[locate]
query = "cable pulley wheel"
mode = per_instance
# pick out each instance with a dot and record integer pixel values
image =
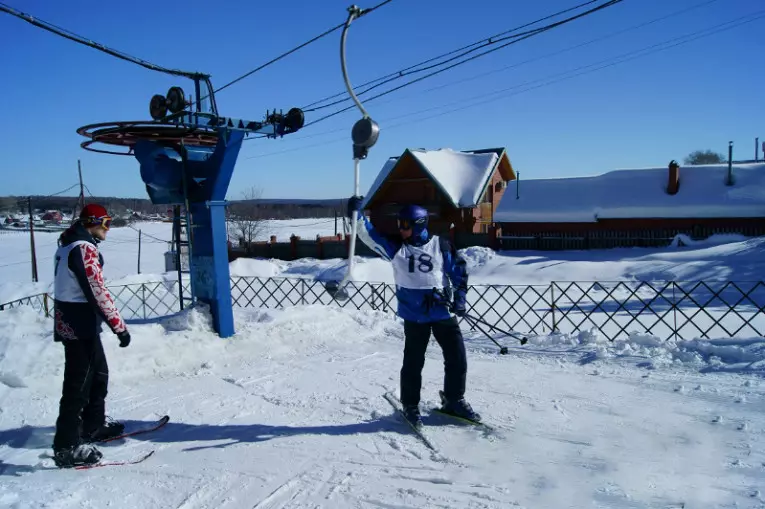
(158, 107)
(176, 101)
(295, 119)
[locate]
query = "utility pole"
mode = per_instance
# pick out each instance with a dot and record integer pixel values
(729, 180)
(32, 239)
(81, 199)
(139, 251)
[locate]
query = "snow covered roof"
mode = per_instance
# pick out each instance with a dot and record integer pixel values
(638, 193)
(461, 175)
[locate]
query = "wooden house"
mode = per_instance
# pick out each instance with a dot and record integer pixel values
(634, 207)
(459, 188)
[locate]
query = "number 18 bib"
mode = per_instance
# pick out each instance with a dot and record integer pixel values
(419, 267)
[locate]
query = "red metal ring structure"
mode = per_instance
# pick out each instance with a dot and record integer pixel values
(127, 133)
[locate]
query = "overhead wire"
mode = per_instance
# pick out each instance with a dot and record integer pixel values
(515, 39)
(443, 55)
(556, 78)
(439, 71)
(296, 48)
(531, 60)
(67, 34)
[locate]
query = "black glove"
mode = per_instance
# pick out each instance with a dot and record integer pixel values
(458, 306)
(124, 338)
(354, 203)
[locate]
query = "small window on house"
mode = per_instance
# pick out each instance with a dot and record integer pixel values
(498, 186)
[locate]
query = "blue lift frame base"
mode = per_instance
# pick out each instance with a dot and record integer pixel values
(207, 174)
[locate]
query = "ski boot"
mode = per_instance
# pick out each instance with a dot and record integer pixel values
(412, 414)
(109, 429)
(82, 454)
(459, 408)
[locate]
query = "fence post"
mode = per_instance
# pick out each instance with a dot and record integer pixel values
(552, 305)
(143, 299)
(674, 311)
(302, 291)
(45, 305)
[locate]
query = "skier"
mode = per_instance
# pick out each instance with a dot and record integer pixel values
(425, 268)
(81, 304)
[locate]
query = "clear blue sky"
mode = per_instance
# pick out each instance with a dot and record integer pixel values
(644, 112)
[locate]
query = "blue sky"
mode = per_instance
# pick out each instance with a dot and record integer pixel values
(643, 112)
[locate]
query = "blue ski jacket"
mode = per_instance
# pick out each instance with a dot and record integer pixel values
(421, 305)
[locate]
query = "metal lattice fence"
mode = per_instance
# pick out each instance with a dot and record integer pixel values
(615, 310)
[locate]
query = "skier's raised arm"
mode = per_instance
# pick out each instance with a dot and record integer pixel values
(367, 233)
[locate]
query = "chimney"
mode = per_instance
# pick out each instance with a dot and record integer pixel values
(673, 186)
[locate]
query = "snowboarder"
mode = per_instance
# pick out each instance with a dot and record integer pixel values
(427, 271)
(81, 304)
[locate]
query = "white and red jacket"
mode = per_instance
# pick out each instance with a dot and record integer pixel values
(81, 300)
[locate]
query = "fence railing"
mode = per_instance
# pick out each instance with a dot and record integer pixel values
(614, 310)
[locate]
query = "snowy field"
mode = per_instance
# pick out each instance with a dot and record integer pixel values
(289, 412)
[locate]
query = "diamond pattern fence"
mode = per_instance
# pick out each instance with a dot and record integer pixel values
(615, 310)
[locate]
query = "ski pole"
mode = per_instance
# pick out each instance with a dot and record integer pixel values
(520, 337)
(502, 349)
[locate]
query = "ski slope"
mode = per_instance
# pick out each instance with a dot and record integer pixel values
(289, 412)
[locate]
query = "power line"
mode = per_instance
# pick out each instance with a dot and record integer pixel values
(411, 82)
(556, 78)
(571, 48)
(67, 34)
(296, 48)
(443, 55)
(528, 61)
(489, 42)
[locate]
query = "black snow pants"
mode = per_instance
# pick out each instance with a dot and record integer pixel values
(449, 337)
(86, 377)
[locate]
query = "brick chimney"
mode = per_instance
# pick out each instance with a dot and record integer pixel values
(673, 186)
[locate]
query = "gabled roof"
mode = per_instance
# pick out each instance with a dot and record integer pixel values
(639, 193)
(461, 175)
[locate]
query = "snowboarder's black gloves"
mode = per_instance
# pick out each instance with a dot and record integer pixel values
(124, 338)
(354, 203)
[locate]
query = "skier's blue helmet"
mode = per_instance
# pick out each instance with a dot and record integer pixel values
(414, 217)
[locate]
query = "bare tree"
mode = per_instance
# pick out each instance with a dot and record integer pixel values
(704, 157)
(247, 219)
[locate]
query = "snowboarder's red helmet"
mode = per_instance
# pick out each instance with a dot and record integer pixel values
(95, 215)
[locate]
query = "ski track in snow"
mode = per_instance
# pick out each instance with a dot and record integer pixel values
(289, 414)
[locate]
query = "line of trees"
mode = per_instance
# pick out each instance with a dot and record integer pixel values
(250, 202)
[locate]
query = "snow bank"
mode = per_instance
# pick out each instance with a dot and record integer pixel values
(681, 240)
(727, 354)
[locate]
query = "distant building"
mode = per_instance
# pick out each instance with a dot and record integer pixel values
(637, 207)
(460, 188)
(52, 216)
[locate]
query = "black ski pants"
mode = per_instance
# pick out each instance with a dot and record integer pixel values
(449, 337)
(86, 377)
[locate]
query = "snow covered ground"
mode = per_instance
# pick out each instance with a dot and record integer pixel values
(289, 412)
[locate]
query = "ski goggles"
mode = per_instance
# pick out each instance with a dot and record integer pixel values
(104, 221)
(408, 224)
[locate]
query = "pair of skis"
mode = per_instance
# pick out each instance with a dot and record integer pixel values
(391, 398)
(145, 429)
